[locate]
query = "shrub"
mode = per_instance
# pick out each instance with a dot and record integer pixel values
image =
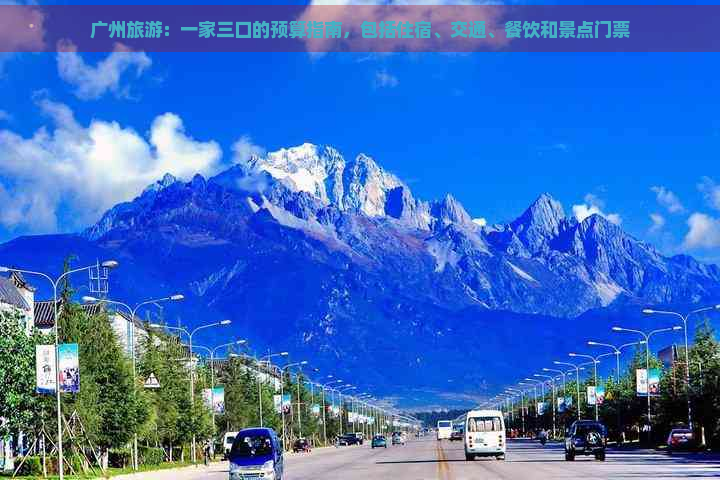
(119, 457)
(151, 455)
(31, 467)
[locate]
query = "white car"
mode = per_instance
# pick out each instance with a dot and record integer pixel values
(228, 442)
(484, 434)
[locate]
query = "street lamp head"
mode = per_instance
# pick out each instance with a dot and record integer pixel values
(177, 297)
(717, 307)
(89, 299)
(572, 354)
(546, 369)
(590, 342)
(536, 375)
(304, 362)
(225, 322)
(648, 311)
(283, 354)
(109, 264)
(155, 325)
(617, 329)
(677, 327)
(642, 342)
(6, 269)
(241, 342)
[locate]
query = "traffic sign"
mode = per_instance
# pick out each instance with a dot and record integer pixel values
(152, 382)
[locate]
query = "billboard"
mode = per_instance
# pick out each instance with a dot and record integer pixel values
(641, 382)
(591, 395)
(668, 356)
(561, 404)
(69, 365)
(600, 394)
(45, 373)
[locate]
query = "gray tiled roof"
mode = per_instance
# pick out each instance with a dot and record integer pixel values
(11, 295)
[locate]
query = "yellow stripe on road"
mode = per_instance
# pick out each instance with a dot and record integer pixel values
(443, 467)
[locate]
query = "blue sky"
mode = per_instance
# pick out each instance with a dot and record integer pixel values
(634, 136)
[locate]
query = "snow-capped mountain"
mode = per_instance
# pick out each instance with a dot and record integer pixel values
(305, 249)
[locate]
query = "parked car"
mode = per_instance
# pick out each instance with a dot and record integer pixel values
(398, 439)
(585, 437)
(228, 440)
(344, 440)
(256, 453)
(354, 438)
(301, 445)
(681, 439)
(379, 441)
(457, 433)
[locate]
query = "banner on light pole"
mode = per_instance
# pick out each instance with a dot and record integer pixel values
(69, 365)
(45, 373)
(641, 384)
(654, 382)
(600, 394)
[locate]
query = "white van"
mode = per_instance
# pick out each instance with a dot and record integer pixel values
(484, 434)
(444, 429)
(228, 440)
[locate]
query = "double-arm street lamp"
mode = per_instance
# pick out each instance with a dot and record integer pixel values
(577, 382)
(552, 382)
(131, 340)
(616, 351)
(190, 334)
(324, 386)
(684, 318)
(282, 394)
(211, 352)
(594, 361)
(267, 358)
(108, 264)
(646, 336)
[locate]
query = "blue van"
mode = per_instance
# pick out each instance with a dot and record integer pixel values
(256, 453)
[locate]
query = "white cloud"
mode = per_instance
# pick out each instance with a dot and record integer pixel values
(480, 222)
(704, 232)
(244, 148)
(93, 82)
(385, 80)
(711, 190)
(65, 176)
(668, 199)
(658, 222)
(593, 206)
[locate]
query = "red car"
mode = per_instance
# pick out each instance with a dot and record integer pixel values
(681, 439)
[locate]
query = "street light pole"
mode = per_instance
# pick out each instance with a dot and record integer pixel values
(324, 386)
(131, 341)
(108, 264)
(577, 382)
(190, 335)
(552, 382)
(282, 393)
(647, 336)
(595, 362)
(684, 319)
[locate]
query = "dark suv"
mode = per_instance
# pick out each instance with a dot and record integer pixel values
(585, 437)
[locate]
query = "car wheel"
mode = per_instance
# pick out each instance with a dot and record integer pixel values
(600, 456)
(469, 457)
(501, 457)
(569, 456)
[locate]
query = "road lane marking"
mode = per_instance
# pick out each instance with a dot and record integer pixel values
(443, 465)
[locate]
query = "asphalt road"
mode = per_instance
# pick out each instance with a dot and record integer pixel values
(427, 459)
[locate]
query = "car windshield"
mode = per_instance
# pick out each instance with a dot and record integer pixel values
(252, 446)
(444, 424)
(484, 424)
(681, 432)
(229, 440)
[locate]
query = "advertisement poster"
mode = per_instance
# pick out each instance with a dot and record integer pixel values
(45, 375)
(207, 398)
(315, 410)
(218, 399)
(600, 394)
(286, 404)
(69, 365)
(591, 395)
(561, 404)
(641, 382)
(568, 402)
(541, 408)
(654, 382)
